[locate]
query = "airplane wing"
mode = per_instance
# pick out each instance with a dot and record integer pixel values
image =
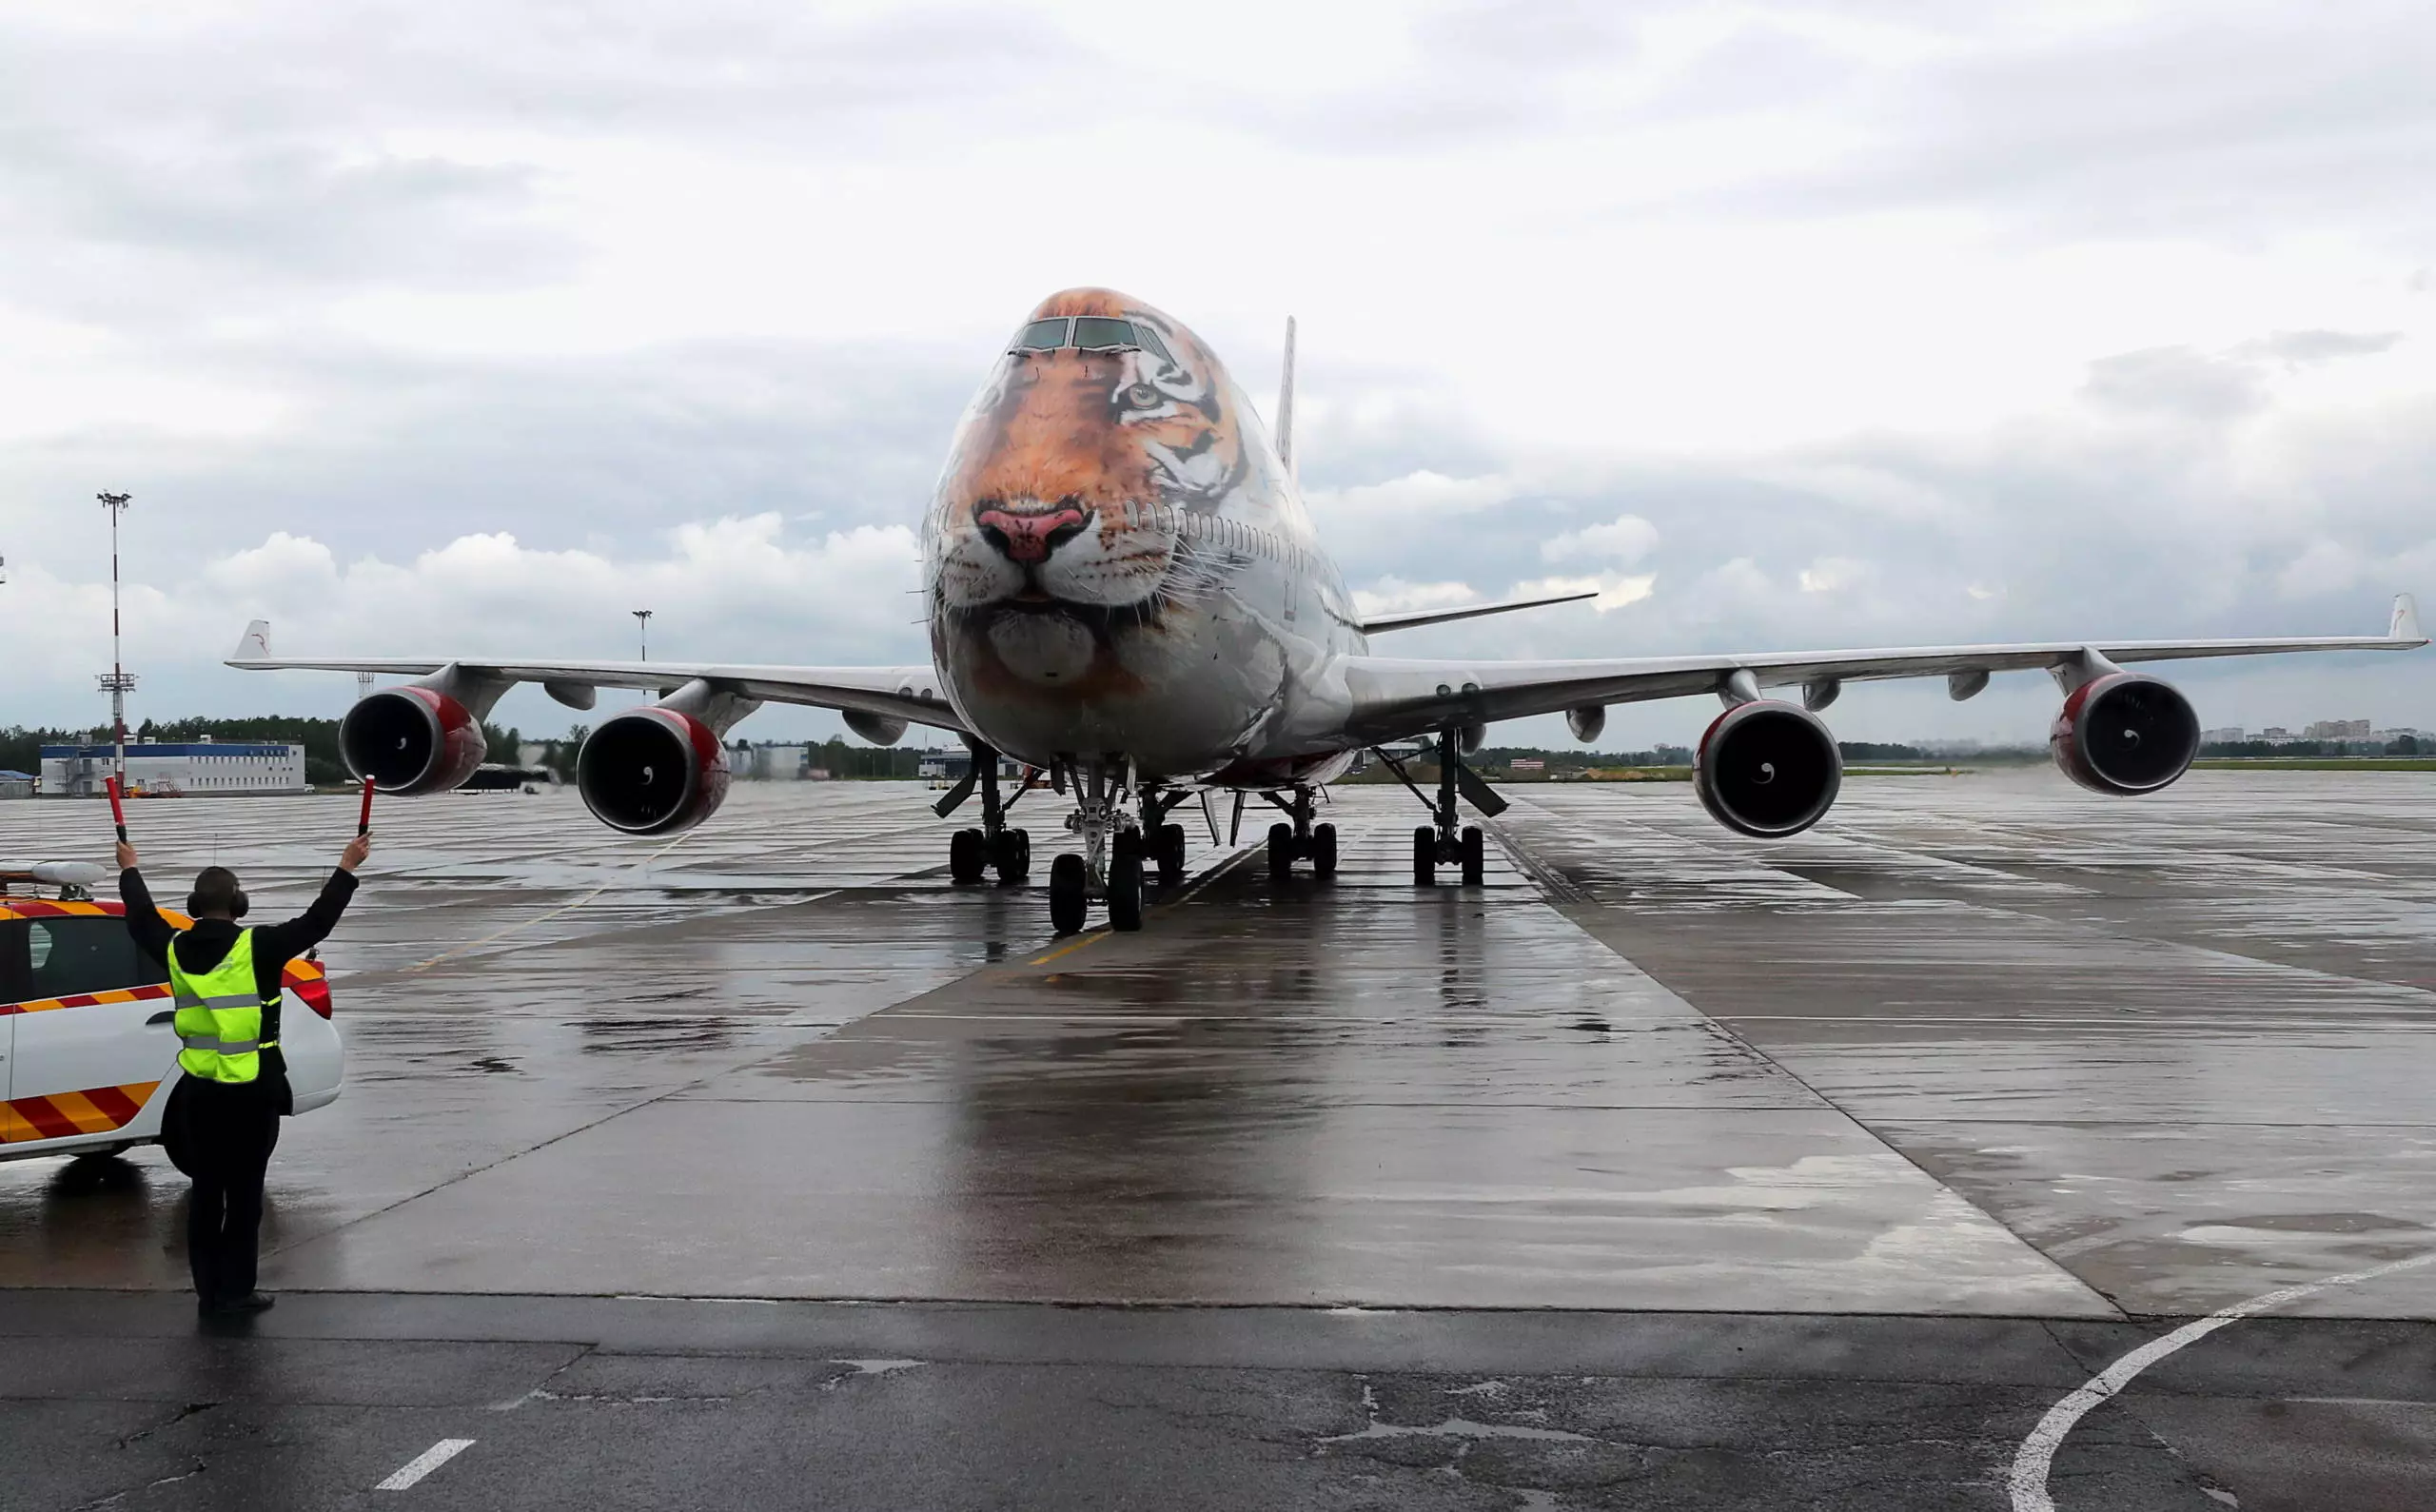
(1394, 698)
(904, 693)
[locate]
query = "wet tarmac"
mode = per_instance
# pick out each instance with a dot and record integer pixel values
(1989, 1059)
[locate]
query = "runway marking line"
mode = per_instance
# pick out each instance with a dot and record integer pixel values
(2036, 1456)
(548, 914)
(1094, 936)
(423, 1464)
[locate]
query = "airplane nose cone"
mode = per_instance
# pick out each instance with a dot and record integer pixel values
(1030, 534)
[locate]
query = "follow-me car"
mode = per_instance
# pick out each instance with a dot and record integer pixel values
(1126, 592)
(88, 1053)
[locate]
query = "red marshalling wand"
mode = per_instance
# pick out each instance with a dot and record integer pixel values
(363, 819)
(118, 814)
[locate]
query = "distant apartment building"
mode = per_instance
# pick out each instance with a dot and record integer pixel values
(2337, 730)
(2226, 736)
(199, 768)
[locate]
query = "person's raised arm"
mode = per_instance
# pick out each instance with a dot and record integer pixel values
(311, 927)
(144, 921)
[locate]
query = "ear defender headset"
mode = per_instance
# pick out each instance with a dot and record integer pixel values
(217, 887)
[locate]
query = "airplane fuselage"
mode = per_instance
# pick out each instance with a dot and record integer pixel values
(1119, 564)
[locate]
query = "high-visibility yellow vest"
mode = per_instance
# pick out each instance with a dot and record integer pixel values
(220, 1015)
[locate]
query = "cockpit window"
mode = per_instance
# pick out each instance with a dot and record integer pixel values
(1151, 343)
(1098, 333)
(1042, 336)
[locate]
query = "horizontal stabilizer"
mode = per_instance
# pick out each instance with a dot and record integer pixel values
(1439, 617)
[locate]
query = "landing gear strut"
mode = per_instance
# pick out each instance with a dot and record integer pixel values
(1300, 839)
(1441, 841)
(994, 845)
(1111, 865)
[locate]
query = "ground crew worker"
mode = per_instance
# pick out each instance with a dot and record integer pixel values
(224, 1113)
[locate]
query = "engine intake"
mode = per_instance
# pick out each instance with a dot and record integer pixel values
(411, 739)
(651, 770)
(2125, 733)
(1767, 769)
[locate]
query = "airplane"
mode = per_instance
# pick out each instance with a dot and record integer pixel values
(1126, 594)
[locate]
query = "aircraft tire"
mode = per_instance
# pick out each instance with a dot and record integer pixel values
(1012, 857)
(1424, 857)
(1281, 849)
(1125, 893)
(1323, 850)
(1171, 854)
(1068, 893)
(967, 856)
(1475, 855)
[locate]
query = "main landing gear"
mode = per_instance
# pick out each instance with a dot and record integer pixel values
(996, 846)
(1300, 839)
(1441, 842)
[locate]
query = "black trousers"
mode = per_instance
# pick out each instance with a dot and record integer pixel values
(227, 1133)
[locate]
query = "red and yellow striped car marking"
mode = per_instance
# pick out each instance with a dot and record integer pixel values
(36, 907)
(119, 994)
(94, 1110)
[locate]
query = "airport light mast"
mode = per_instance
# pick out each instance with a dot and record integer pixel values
(642, 630)
(117, 682)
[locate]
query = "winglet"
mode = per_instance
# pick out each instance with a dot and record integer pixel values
(254, 645)
(2406, 625)
(1285, 404)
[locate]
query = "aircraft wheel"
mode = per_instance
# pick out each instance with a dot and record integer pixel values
(1475, 855)
(1171, 854)
(1125, 891)
(1281, 849)
(1125, 842)
(1069, 890)
(1323, 850)
(1012, 857)
(1424, 857)
(966, 858)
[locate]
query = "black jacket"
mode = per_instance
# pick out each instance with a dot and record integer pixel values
(210, 941)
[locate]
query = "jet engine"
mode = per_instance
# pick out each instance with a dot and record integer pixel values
(412, 740)
(2125, 733)
(1767, 769)
(660, 768)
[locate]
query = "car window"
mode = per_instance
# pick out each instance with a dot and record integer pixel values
(65, 957)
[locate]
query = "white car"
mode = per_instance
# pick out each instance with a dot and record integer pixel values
(86, 1051)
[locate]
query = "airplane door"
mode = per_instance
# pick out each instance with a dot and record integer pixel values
(93, 1044)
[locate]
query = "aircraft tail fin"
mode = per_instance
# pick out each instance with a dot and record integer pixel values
(255, 644)
(2405, 620)
(1285, 404)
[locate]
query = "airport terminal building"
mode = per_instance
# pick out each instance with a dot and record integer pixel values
(200, 768)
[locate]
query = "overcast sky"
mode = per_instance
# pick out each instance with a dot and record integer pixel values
(467, 328)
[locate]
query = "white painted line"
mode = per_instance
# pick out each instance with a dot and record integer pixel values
(2029, 1479)
(423, 1464)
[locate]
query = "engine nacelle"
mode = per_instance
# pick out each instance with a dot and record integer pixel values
(651, 770)
(412, 740)
(2125, 733)
(879, 729)
(1767, 769)
(1588, 723)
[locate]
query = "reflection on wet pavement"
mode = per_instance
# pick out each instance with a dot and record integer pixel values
(1982, 1044)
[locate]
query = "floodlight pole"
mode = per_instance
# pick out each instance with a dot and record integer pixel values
(642, 630)
(117, 682)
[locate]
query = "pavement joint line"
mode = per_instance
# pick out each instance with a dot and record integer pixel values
(1208, 876)
(2028, 1481)
(422, 1465)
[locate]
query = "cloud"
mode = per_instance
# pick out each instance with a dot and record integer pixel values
(2299, 348)
(1625, 538)
(1393, 596)
(2175, 380)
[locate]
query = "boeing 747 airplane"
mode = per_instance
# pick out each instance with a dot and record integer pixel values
(1126, 594)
